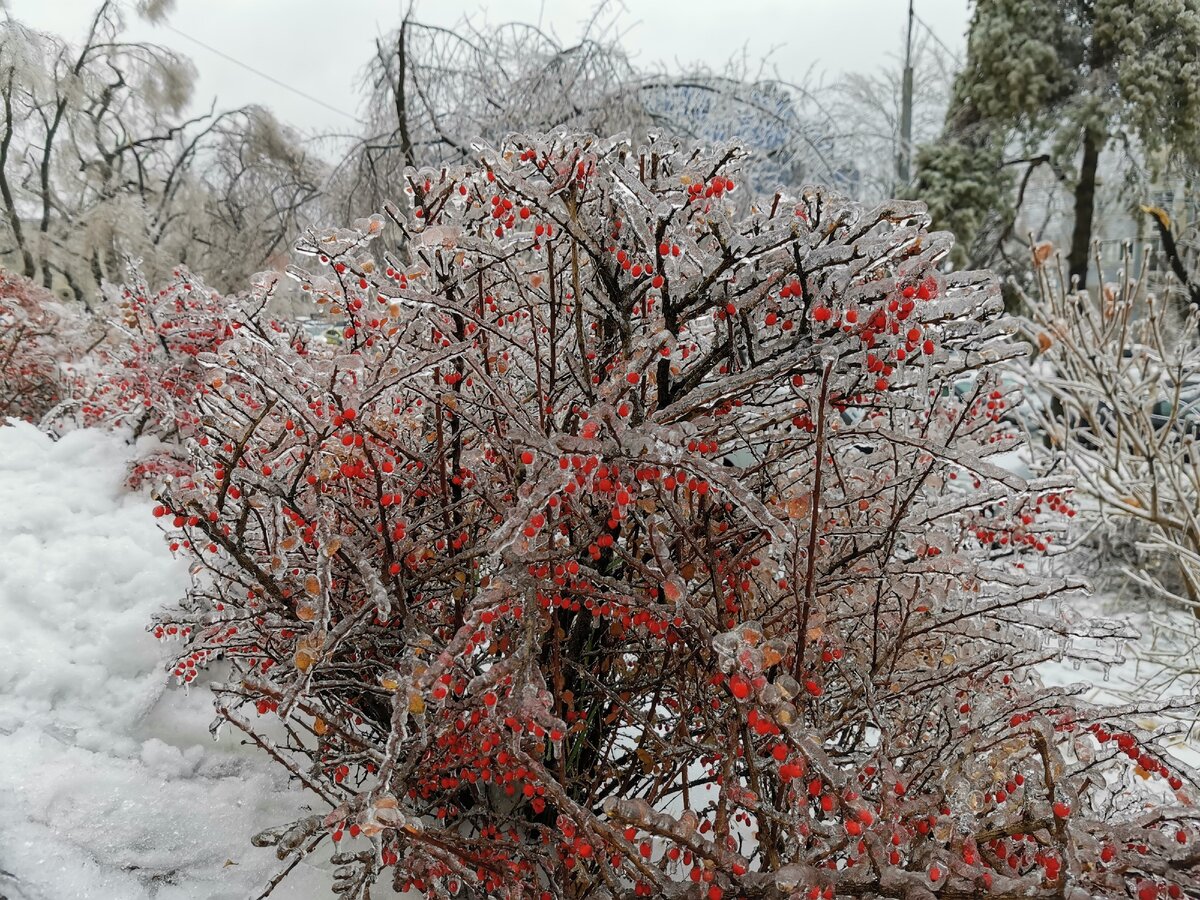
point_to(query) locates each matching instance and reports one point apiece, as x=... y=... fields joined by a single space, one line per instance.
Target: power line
x=938 y=40
x=261 y=74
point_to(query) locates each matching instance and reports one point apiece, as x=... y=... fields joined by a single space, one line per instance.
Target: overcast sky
x=319 y=47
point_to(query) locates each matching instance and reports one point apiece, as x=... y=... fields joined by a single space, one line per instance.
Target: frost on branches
x=1117 y=378
x=147 y=379
x=641 y=540
x=40 y=340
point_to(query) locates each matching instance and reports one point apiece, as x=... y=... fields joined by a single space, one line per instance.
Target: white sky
x=319 y=47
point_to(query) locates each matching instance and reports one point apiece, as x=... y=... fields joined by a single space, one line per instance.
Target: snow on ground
x=1143 y=675
x=111 y=787
x=1136 y=679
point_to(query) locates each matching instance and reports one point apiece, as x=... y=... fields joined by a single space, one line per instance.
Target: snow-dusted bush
x=432 y=93
x=631 y=545
x=40 y=340
x=145 y=378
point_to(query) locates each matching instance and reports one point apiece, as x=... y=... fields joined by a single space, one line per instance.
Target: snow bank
x=111 y=788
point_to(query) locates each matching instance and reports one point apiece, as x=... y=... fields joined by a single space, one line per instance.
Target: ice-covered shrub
x=40 y=341
x=631 y=545
x=145 y=378
x=148 y=379
x=1118 y=381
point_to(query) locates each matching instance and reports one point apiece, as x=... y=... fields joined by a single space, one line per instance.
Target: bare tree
x=433 y=92
x=868 y=104
x=101 y=162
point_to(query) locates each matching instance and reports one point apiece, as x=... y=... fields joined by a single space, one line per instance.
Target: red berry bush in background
x=147 y=379
x=151 y=378
x=40 y=340
x=642 y=539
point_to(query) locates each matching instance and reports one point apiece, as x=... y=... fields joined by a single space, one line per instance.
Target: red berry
x=739 y=687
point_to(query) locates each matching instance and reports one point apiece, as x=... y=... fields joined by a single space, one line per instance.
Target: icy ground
x=1137 y=679
x=110 y=786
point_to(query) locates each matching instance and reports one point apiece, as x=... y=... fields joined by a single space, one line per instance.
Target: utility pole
x=904 y=157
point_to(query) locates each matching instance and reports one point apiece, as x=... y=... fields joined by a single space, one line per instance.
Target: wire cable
x=940 y=43
x=261 y=74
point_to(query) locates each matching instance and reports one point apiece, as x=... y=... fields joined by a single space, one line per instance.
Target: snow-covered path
x=110 y=787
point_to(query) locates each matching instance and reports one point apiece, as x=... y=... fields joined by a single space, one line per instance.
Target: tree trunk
x=14 y=217
x=1085 y=207
x=406 y=146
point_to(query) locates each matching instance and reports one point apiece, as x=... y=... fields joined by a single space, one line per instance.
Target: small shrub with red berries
x=40 y=340
x=643 y=538
x=147 y=378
